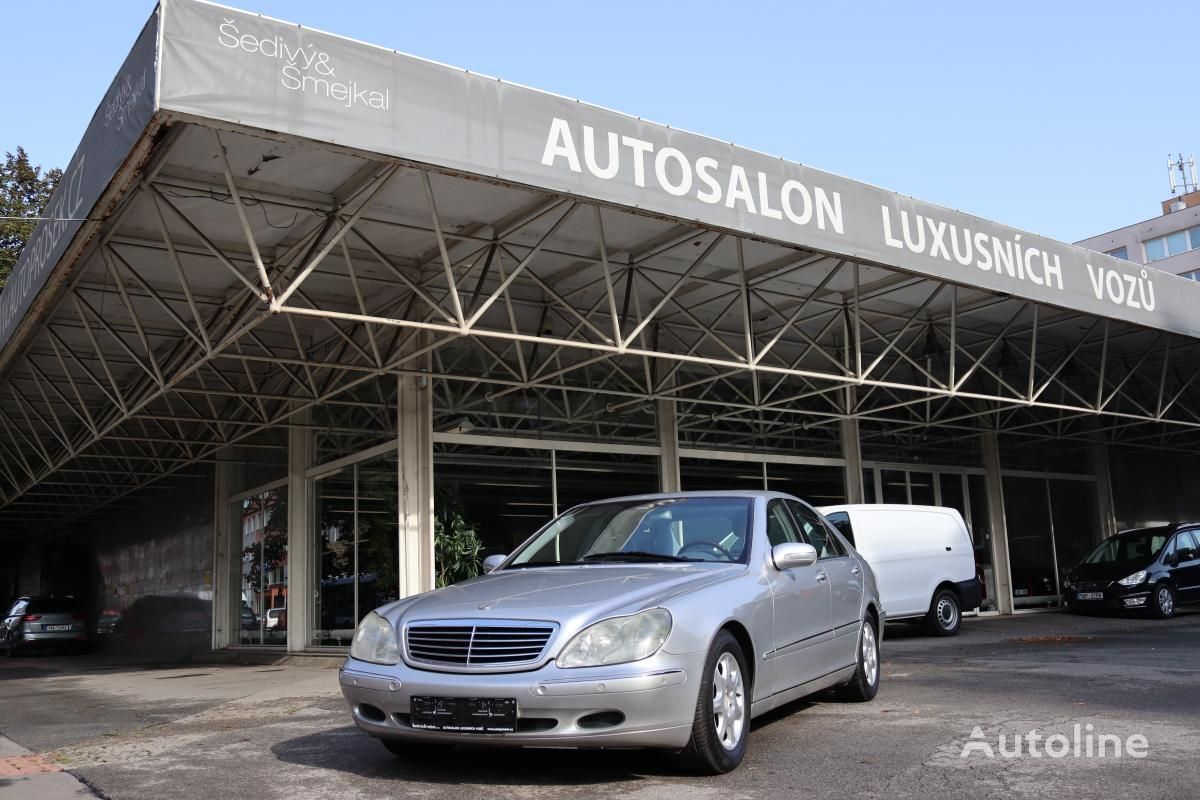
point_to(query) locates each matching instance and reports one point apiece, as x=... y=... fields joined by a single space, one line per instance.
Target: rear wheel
x=944 y=614
x=865 y=683
x=1162 y=605
x=721 y=726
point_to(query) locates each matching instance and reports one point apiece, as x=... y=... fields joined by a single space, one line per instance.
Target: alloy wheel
x=870 y=654
x=729 y=701
x=1166 y=603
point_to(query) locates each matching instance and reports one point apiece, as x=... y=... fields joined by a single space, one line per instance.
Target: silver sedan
x=659 y=621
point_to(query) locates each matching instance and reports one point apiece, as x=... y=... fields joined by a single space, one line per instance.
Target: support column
x=1104 y=492
x=414 y=409
x=997 y=522
x=852 y=453
x=668 y=440
x=302 y=588
x=227 y=578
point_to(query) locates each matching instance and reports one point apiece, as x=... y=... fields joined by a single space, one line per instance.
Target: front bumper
x=655 y=700
x=1116 y=598
x=29 y=638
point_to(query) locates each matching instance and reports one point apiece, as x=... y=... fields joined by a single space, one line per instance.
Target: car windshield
x=656 y=530
x=52 y=605
x=1138 y=545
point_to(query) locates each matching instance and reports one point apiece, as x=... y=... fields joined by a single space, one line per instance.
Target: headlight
x=618 y=640
x=1134 y=579
x=375 y=641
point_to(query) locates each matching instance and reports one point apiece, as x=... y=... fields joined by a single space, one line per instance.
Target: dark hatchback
x=1146 y=569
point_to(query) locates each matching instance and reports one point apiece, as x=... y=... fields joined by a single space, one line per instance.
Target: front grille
x=1089 y=586
x=465 y=644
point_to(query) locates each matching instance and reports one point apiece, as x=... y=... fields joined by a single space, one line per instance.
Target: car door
x=801 y=647
x=845 y=581
x=1187 y=566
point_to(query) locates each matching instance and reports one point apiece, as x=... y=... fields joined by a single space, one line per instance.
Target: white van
x=923 y=559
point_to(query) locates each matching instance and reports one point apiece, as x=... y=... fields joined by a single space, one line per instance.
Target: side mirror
x=793 y=554
x=492 y=562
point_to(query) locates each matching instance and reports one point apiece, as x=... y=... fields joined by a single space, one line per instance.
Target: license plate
x=1089 y=595
x=465 y=714
x=58 y=627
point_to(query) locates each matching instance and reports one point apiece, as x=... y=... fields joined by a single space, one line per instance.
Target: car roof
x=748 y=493
x=883 y=507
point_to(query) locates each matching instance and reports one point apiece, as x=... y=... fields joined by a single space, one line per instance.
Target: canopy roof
x=264 y=218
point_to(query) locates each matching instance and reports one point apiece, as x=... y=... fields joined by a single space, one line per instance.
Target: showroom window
x=260 y=525
x=356 y=557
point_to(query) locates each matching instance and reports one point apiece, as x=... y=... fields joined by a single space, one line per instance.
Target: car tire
x=863 y=687
x=945 y=614
x=721 y=726
x=1162 y=604
x=417 y=751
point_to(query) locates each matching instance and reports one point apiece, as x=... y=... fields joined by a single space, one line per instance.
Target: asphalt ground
x=200 y=730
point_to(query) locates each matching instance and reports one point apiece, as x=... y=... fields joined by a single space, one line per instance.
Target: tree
x=24 y=192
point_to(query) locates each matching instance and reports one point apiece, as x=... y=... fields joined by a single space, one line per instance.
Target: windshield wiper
x=635 y=555
x=524 y=564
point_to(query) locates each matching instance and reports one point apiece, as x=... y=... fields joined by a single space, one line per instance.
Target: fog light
x=1135 y=601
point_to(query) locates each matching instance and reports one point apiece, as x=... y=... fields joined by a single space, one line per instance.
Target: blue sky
x=1054 y=116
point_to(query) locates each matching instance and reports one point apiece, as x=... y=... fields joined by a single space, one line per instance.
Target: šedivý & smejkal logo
x=304 y=68
x=121 y=104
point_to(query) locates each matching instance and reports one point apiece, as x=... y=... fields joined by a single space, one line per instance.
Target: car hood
x=1108 y=571
x=571 y=596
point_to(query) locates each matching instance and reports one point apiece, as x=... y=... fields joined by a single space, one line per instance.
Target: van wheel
x=865 y=683
x=944 y=614
x=1162 y=606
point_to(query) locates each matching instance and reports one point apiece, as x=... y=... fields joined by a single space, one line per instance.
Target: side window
x=841 y=521
x=815 y=532
x=19 y=608
x=780 y=529
x=1186 y=545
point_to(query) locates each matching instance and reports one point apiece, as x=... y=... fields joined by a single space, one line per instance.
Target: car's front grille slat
x=477 y=644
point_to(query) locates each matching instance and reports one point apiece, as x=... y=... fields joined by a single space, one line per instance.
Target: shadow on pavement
x=347 y=749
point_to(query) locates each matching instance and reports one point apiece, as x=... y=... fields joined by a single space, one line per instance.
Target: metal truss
x=227 y=294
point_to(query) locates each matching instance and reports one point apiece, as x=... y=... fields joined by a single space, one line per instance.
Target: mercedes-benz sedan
x=659 y=621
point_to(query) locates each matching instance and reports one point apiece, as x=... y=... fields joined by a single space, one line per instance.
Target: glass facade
x=261 y=521
x=356 y=550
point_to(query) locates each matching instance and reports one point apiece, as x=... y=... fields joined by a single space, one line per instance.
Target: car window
x=841 y=521
x=780 y=529
x=814 y=531
x=52 y=605
x=1187 y=546
x=18 y=607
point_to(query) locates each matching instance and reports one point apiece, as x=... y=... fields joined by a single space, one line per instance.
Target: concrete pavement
x=269 y=731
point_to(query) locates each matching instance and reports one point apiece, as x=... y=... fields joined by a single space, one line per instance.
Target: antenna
x=1182 y=174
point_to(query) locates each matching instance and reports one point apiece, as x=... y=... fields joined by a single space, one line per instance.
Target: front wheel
x=865 y=684
x=944 y=614
x=721 y=726
x=1163 y=605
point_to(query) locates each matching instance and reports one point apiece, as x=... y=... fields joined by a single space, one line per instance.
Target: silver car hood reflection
x=567 y=593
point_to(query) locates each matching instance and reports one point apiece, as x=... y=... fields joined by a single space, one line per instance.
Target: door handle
x=855 y=571
x=822 y=577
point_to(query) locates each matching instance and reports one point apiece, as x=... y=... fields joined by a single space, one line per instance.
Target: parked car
x=923 y=558
x=249 y=619
x=276 y=619
x=1145 y=569
x=36 y=622
x=657 y=621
